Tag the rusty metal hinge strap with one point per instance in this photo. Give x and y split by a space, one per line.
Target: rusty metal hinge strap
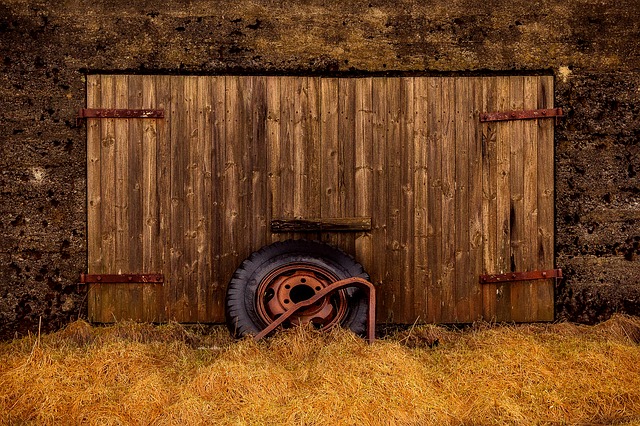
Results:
520 276
521 114
121 278
119 113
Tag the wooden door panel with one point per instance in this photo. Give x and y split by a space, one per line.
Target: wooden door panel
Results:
450 198
518 201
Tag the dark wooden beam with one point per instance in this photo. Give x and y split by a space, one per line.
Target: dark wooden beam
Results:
342 224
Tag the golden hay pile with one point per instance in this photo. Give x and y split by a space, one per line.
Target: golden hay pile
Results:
141 374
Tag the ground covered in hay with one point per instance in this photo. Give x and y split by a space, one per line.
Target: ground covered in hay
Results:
486 374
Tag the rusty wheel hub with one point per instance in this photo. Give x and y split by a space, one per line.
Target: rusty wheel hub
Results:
296 282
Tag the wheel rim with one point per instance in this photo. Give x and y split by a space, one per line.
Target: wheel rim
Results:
293 283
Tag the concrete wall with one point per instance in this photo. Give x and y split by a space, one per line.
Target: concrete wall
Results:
46 48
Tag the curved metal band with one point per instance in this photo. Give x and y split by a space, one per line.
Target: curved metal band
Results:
360 283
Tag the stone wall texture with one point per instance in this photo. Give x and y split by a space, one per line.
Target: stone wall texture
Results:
47 48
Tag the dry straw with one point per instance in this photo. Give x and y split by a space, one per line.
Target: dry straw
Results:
486 374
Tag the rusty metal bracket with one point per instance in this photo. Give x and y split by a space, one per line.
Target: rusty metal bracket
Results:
360 283
521 115
85 113
121 278
521 276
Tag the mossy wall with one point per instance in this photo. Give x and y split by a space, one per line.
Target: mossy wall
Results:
46 49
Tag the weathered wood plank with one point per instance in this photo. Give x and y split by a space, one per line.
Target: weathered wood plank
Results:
217 288
434 196
346 157
295 125
393 176
178 222
330 157
273 152
463 281
422 274
234 191
446 110
151 242
313 150
202 195
489 198
379 208
475 199
288 164
518 290
406 213
133 195
163 98
503 210
192 170
339 224
121 296
363 168
95 206
545 200
243 124
258 159
530 201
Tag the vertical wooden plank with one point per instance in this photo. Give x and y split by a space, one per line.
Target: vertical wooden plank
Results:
435 196
394 267
300 150
379 208
243 125
202 190
108 196
294 139
193 164
475 200
217 288
519 296
151 242
258 158
407 202
133 194
232 237
163 98
312 149
449 213
545 200
530 200
364 167
346 158
330 157
94 201
489 198
422 273
288 164
122 235
273 151
177 297
503 202
463 278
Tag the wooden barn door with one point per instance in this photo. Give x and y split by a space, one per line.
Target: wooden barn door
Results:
124 227
449 198
517 198
183 196
446 197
